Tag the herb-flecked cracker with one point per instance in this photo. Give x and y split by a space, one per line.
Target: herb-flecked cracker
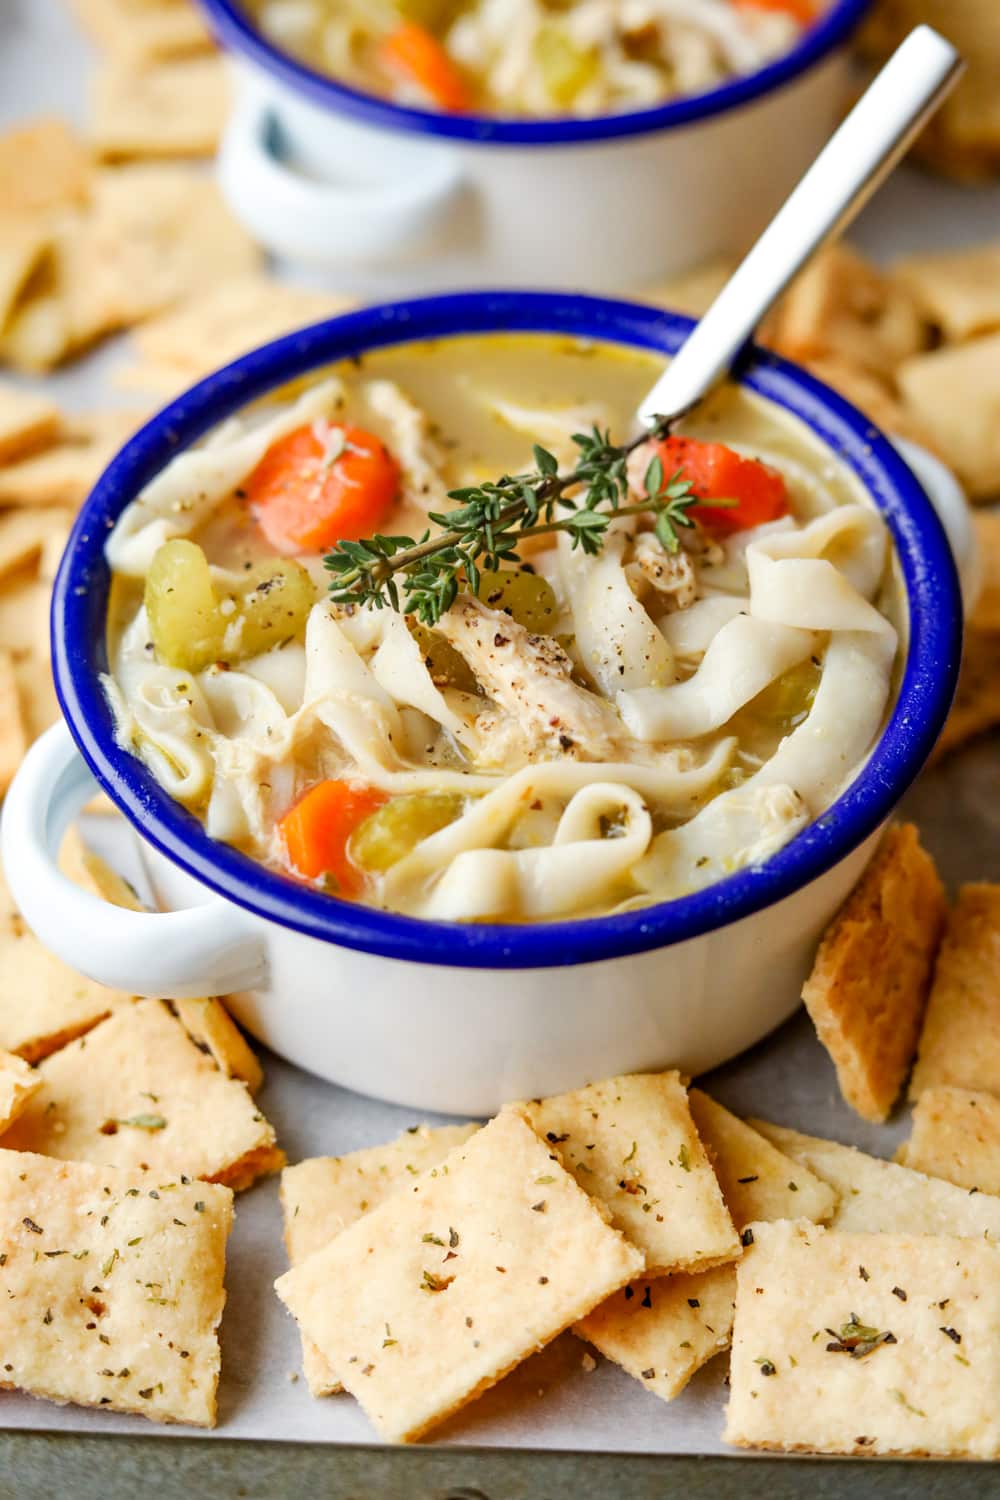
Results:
956 1135
865 1344
321 1196
877 1196
430 1299
960 1042
18 1082
137 1092
869 982
111 1287
662 1331
632 1144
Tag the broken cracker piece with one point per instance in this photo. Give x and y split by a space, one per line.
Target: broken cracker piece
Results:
877 1196
175 108
111 1287
631 1143
960 1042
663 1331
954 395
18 1082
137 1092
958 290
956 1135
430 1299
865 1344
323 1195
869 982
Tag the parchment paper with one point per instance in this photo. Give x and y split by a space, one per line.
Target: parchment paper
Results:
551 1401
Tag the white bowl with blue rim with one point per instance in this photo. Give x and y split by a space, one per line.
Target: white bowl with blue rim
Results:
389 200
447 1016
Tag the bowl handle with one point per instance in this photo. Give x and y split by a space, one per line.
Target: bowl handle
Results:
948 499
211 949
319 222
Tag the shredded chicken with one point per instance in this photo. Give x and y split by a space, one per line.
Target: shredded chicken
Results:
529 678
412 443
671 574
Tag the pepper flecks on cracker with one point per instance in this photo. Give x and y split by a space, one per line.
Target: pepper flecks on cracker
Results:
869 982
323 1195
430 1299
865 1344
137 1092
877 1196
631 1143
960 1041
663 1330
956 1135
111 1287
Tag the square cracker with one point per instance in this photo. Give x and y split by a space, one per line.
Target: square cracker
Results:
960 1042
141 31
325 1194
137 1092
27 420
430 1299
956 1135
13 732
631 1143
18 1082
64 473
175 108
959 290
43 1004
111 1287
869 982
44 166
877 1196
662 1331
954 394
930 1389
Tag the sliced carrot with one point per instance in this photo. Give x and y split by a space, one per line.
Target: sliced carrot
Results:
306 495
716 472
316 832
803 11
415 55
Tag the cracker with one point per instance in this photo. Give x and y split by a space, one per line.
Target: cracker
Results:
960 1042
43 1004
175 108
215 327
869 982
663 1331
954 394
111 1288
958 290
142 31
976 708
430 1299
25 535
986 615
27 420
23 245
844 308
692 292
632 1144
873 394
877 1196
63 474
36 691
928 1389
24 612
137 1092
43 166
322 1196
956 1135
18 1082
13 732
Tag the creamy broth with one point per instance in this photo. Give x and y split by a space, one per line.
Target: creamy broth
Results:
535 58
583 734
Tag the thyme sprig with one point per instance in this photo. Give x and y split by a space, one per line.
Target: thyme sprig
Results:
492 519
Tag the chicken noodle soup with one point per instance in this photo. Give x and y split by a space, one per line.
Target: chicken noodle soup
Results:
535 58
578 733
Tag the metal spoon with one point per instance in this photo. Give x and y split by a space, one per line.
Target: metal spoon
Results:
855 162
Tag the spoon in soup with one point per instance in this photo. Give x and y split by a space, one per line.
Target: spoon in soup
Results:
852 166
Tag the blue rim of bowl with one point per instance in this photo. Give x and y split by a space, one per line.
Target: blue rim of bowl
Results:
235 31
79 649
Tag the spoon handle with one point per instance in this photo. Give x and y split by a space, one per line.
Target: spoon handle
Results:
854 163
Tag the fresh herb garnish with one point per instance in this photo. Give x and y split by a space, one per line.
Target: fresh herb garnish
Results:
491 519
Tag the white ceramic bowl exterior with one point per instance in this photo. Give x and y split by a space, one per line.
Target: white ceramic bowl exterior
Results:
388 212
